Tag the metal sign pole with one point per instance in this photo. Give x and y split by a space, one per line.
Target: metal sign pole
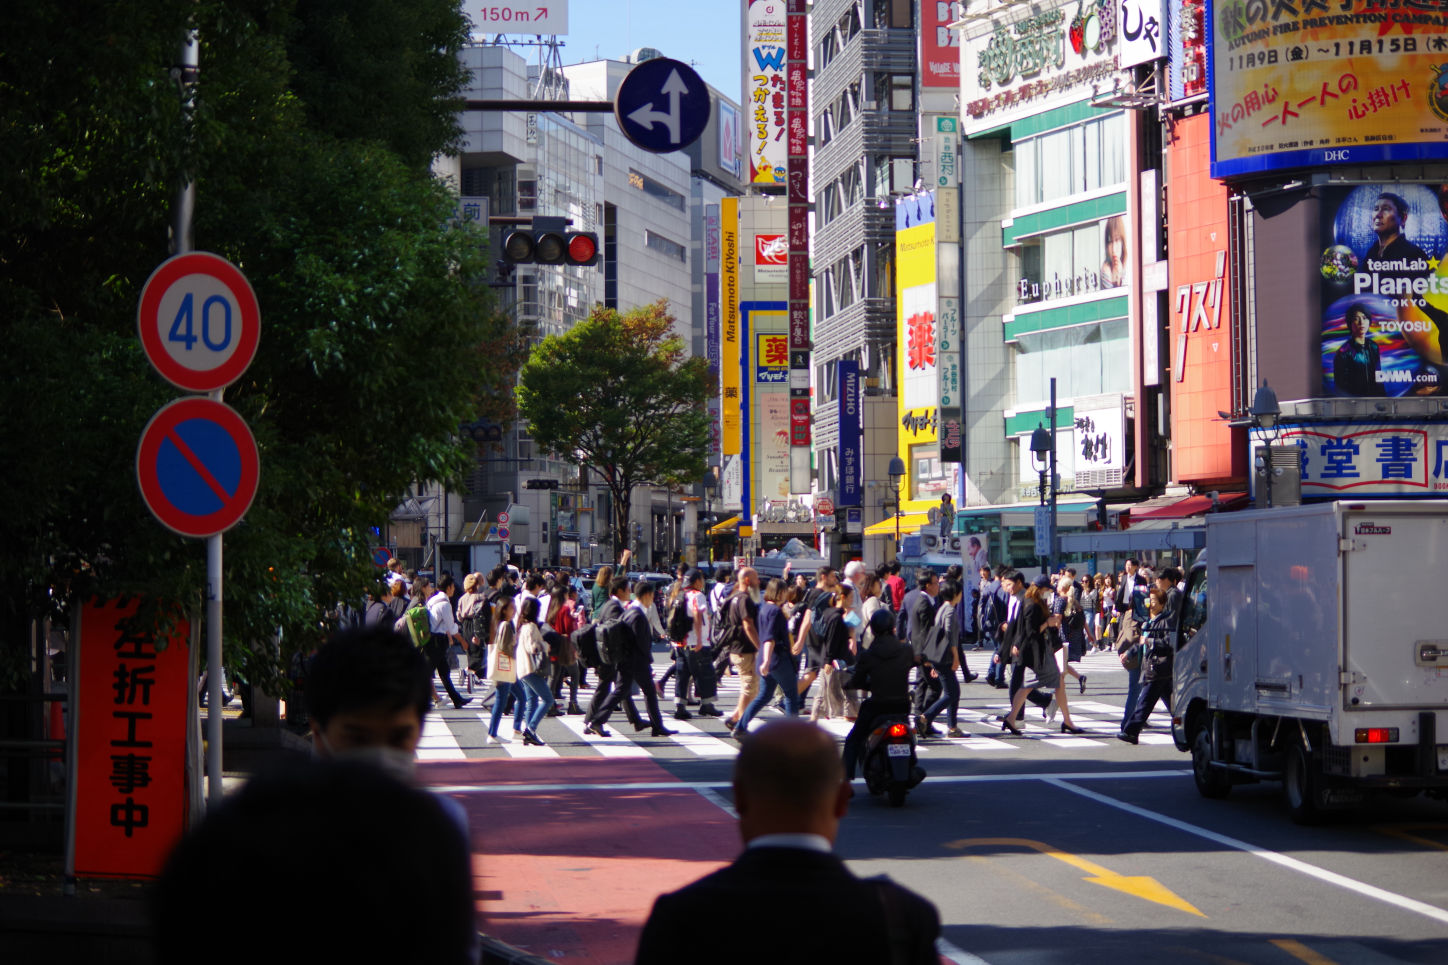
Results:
185 206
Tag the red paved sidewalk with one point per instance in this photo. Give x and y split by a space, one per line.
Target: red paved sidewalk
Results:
570 874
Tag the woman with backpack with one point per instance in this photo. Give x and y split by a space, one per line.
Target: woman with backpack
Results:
829 633
501 668
532 664
472 621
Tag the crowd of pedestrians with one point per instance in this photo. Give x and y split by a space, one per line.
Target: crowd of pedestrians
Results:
525 639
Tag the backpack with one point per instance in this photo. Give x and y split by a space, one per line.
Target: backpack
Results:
585 639
613 637
418 625
681 621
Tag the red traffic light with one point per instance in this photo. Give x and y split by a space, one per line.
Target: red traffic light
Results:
524 247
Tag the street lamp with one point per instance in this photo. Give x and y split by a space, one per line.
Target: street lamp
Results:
1043 457
1265 412
710 483
896 472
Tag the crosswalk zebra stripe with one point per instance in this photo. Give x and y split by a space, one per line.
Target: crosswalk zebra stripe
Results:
615 745
699 742
438 742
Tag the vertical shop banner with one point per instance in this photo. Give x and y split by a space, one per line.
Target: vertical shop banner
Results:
916 302
939 45
1187 45
798 197
765 81
768 409
731 343
1300 85
711 323
1143 31
847 375
136 701
1384 277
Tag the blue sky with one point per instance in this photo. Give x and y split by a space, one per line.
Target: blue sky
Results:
702 33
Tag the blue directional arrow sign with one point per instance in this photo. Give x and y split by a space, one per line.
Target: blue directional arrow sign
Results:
662 105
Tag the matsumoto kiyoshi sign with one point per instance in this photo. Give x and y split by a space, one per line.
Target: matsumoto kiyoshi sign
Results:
1298 83
1384 283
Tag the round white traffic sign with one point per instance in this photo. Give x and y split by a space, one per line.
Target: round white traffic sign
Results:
199 321
503 519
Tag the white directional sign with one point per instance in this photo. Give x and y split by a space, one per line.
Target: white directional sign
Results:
662 105
539 17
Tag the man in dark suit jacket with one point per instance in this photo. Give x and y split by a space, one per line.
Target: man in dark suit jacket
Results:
790 792
636 667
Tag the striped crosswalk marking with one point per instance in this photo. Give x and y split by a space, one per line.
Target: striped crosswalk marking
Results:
438 742
615 745
698 742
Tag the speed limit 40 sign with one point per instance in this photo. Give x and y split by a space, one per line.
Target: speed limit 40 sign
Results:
199 321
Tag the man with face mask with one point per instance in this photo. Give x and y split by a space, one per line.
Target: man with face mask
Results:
367 693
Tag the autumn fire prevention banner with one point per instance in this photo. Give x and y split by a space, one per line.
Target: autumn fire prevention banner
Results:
1312 83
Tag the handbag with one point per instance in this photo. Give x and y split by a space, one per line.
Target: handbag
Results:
1131 658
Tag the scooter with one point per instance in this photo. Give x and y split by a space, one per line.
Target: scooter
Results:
891 767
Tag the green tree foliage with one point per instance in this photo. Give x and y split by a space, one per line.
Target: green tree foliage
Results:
619 393
379 333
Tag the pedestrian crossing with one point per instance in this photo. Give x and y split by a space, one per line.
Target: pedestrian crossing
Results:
461 735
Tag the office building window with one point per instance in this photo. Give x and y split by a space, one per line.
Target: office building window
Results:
1056 165
664 246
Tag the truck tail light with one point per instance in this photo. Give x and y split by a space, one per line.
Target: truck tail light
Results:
1375 735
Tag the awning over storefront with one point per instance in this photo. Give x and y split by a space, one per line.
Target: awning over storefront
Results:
909 523
1188 506
726 526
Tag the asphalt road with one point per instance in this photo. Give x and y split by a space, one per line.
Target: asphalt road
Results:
1047 849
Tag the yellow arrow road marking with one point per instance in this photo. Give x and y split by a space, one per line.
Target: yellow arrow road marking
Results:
1141 886
1402 831
1301 952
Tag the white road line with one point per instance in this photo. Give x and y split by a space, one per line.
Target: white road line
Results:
615 745
717 799
1072 743
1293 864
1095 707
698 742
958 955
438 742
516 748
696 785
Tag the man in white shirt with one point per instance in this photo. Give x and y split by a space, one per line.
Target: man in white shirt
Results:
444 628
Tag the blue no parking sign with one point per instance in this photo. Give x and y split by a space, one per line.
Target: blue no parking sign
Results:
197 467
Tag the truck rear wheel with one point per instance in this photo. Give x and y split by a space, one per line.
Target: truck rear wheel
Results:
1212 782
1302 785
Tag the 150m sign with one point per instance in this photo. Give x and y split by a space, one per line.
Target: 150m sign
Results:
550 17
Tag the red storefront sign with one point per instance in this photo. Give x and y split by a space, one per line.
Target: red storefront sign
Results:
799 434
135 701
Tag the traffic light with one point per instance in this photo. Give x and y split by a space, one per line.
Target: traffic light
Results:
540 484
551 247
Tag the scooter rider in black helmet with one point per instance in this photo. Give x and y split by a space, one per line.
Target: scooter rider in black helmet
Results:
883 668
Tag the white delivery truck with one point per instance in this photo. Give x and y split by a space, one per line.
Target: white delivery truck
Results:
1313 649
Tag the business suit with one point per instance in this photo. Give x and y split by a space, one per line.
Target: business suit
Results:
1015 637
612 609
635 668
825 914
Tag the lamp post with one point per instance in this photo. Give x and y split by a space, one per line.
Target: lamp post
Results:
1043 456
711 481
1265 412
896 472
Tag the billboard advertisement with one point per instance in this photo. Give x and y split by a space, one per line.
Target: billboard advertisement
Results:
1204 446
915 315
731 340
939 45
729 131
1143 31
1302 84
1030 58
1384 284
711 322
847 374
771 259
767 446
764 85
1370 459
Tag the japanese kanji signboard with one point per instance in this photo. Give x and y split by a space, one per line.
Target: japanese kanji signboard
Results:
764 83
1306 84
1361 459
135 703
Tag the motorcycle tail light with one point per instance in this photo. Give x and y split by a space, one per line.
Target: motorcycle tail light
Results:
898 730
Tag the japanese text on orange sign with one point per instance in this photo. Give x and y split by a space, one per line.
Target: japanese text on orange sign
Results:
135 702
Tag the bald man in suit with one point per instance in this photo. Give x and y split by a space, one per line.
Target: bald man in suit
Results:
790 792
